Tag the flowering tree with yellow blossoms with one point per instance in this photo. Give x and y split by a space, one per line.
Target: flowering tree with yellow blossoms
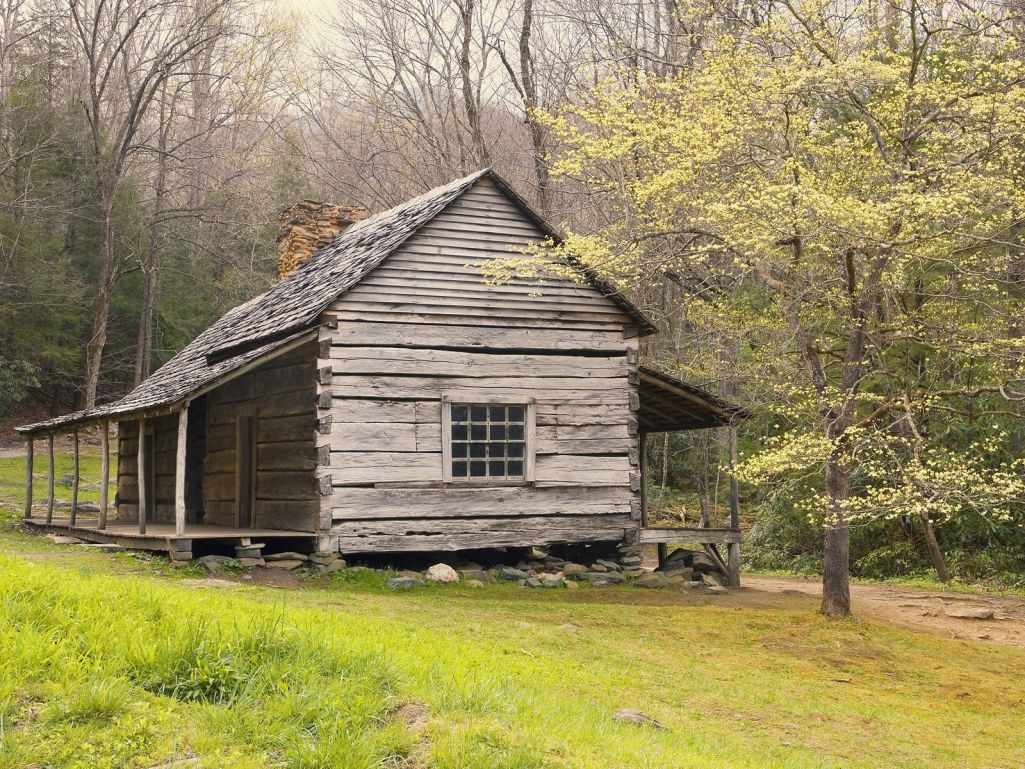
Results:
844 181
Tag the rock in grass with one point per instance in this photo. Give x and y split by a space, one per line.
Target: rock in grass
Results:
572 569
404 583
473 583
570 584
282 563
610 577
716 589
652 580
511 574
631 716
442 572
61 539
970 612
552 580
287 556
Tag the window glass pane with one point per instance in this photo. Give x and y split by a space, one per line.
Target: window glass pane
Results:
487 441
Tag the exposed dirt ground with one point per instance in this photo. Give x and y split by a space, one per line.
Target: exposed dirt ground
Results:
924 610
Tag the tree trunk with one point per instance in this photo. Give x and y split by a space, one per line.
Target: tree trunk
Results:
836 589
935 553
530 105
104 291
144 343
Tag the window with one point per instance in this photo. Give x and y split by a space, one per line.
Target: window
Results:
488 442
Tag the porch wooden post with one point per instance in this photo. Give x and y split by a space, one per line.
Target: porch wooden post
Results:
179 471
104 476
733 550
28 476
140 474
49 482
74 482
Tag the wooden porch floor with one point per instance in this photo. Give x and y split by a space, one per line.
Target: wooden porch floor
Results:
158 536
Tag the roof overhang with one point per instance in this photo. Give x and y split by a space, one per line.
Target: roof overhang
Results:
669 404
124 409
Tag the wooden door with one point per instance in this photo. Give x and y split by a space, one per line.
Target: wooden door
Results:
245 470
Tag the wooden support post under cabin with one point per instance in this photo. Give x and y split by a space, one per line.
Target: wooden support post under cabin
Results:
104 476
74 482
49 483
179 471
733 549
140 469
28 476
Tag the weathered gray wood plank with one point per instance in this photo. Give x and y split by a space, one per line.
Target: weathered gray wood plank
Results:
365 504
461 534
348 468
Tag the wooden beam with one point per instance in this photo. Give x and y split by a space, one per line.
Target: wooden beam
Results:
692 535
179 471
140 474
104 476
644 478
28 476
49 480
74 481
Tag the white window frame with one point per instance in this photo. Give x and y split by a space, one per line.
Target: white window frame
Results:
485 398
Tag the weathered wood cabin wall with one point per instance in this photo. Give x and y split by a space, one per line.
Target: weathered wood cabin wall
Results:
423 325
281 394
165 438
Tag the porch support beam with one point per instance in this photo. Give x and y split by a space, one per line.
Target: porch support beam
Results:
140 474
74 481
104 475
49 480
179 471
28 476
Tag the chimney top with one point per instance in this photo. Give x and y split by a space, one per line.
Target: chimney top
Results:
308 226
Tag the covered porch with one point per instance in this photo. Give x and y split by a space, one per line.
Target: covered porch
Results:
190 465
669 405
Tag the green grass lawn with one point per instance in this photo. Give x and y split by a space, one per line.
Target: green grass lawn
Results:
116 661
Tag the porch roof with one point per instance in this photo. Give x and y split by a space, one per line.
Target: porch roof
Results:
188 374
668 404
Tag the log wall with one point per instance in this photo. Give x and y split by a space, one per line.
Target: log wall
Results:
281 394
165 435
424 324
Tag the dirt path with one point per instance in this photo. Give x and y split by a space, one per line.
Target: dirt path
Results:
923 610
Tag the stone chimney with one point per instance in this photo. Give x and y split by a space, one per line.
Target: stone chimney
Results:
309 226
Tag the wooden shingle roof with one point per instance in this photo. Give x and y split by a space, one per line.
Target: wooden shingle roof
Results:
286 311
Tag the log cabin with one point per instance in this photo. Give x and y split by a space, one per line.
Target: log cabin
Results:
382 398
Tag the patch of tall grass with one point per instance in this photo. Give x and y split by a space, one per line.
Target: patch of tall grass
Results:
94 667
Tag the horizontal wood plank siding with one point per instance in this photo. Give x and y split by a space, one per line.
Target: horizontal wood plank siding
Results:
423 325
